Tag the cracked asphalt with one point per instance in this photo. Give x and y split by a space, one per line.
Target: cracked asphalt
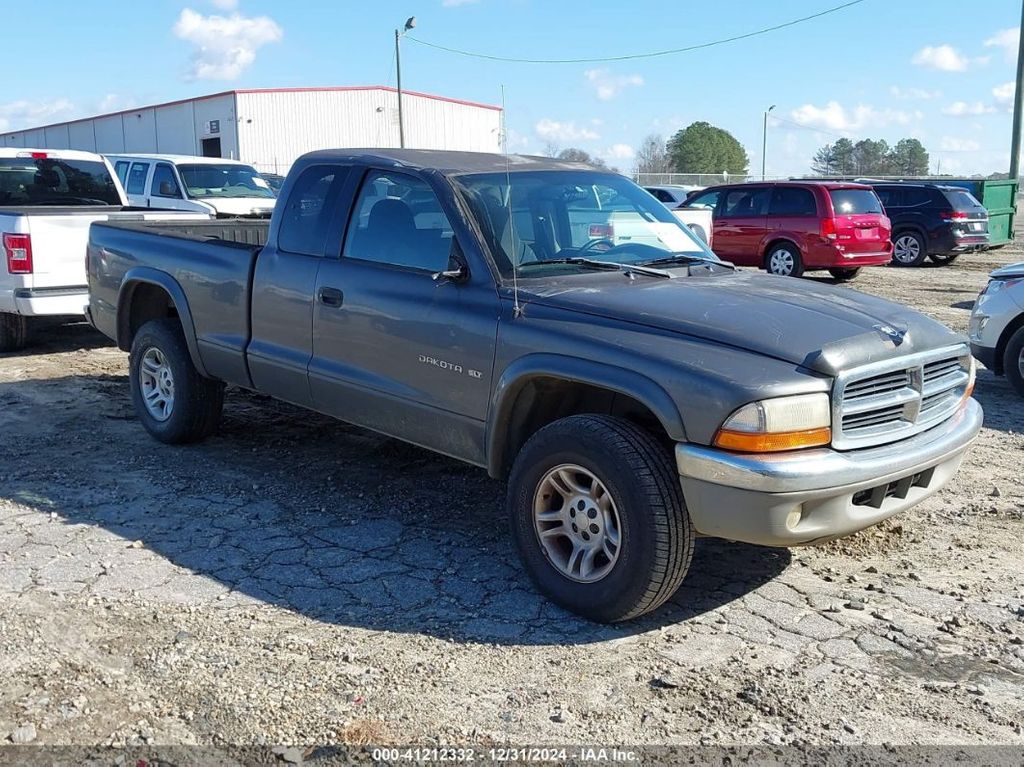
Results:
295 580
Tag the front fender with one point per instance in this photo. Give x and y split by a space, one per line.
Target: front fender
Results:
145 275
541 365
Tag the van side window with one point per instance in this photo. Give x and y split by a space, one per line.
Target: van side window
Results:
121 168
163 177
306 219
793 201
398 220
745 203
137 178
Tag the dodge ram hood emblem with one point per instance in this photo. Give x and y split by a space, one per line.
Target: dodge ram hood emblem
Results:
894 335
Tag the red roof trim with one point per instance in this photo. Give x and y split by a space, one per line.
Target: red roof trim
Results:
134 110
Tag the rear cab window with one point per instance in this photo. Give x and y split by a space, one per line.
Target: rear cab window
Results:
854 202
56 181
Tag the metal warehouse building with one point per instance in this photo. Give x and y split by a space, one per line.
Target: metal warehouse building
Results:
271 127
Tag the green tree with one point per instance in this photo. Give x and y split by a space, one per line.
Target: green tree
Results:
844 150
573 154
703 148
870 157
824 161
909 158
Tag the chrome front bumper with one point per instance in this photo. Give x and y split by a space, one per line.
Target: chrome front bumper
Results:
807 496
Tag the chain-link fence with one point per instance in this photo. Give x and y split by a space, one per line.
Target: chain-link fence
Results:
709 179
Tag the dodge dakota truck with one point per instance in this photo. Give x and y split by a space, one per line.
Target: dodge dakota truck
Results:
48 199
634 394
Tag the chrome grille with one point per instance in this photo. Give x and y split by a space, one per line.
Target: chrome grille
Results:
890 400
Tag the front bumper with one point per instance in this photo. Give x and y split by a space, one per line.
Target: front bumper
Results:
810 496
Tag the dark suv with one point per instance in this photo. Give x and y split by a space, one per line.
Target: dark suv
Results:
934 221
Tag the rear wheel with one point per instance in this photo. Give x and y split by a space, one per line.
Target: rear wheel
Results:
784 260
598 516
908 249
174 402
1013 361
13 332
943 258
844 275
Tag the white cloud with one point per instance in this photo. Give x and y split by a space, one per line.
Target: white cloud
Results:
942 57
913 93
954 144
835 116
964 109
552 130
224 45
619 152
15 115
1008 40
1004 93
608 86
226 5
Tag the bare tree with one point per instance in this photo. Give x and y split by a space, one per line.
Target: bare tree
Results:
652 156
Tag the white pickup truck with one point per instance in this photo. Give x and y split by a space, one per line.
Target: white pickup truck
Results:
48 199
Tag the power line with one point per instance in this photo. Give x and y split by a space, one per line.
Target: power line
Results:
651 55
806 127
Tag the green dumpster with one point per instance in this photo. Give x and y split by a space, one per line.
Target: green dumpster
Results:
999 198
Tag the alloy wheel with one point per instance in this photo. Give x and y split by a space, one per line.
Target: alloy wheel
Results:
157 383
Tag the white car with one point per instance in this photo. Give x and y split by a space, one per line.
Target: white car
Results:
48 200
997 325
672 195
214 185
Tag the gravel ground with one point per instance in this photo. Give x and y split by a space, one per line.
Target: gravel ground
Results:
294 580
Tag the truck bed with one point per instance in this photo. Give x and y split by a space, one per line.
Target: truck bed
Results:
209 262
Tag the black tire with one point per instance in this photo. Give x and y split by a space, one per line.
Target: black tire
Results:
774 261
656 537
197 401
1013 360
13 332
943 259
911 247
844 275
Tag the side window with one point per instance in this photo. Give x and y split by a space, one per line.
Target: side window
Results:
662 195
307 215
792 201
164 184
707 200
398 220
916 196
137 178
121 168
745 203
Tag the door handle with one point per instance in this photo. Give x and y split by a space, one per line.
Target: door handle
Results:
330 297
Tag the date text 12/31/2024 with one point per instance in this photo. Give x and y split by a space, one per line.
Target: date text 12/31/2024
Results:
503 754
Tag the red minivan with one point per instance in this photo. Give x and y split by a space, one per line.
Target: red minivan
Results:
789 227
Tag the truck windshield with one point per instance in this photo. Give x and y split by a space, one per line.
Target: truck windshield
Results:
533 218
210 180
53 181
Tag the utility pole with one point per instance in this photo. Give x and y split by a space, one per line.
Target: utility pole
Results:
764 142
409 24
1018 106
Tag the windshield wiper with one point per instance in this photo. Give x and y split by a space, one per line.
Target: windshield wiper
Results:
593 263
682 258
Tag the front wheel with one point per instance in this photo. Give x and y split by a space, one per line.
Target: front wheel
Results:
174 402
1013 361
942 259
844 274
13 332
598 516
784 260
908 249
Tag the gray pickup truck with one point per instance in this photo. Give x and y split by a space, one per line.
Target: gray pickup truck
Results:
557 325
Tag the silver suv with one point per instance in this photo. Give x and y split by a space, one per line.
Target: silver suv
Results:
997 325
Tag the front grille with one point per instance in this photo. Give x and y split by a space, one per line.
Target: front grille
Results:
887 401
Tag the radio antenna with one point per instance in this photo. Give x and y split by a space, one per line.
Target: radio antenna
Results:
517 309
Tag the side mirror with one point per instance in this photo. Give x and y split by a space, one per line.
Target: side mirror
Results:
457 270
167 189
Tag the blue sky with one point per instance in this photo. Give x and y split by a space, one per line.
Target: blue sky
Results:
937 70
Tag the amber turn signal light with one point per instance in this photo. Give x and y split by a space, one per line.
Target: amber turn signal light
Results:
748 442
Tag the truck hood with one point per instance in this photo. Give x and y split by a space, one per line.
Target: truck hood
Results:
1006 272
820 327
240 206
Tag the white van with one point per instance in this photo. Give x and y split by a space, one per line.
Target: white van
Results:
224 188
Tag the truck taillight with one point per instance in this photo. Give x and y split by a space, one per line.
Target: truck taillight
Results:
828 229
602 232
18 250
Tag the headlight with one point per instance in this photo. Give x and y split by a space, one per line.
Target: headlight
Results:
995 285
783 423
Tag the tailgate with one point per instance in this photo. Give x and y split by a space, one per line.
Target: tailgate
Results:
861 225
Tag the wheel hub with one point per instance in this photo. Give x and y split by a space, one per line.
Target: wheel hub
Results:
577 523
156 382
